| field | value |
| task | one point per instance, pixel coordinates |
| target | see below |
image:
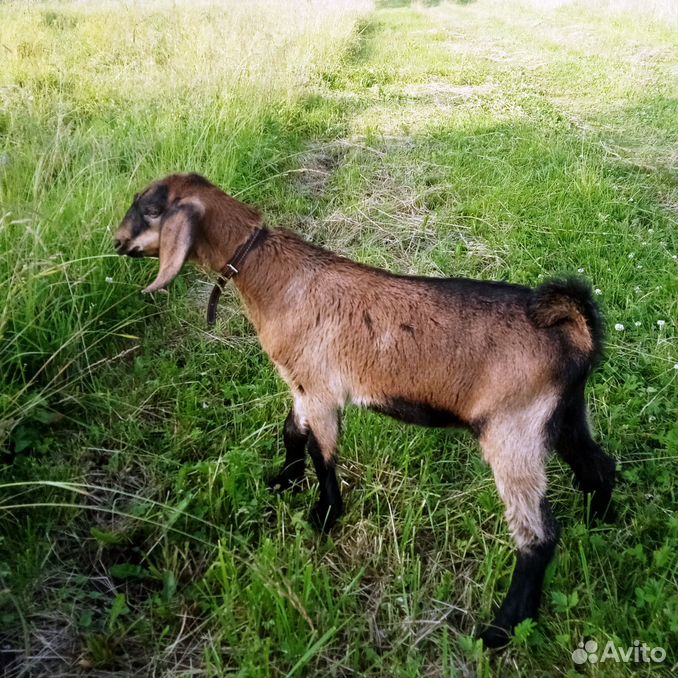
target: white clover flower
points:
(109, 280)
(675, 366)
(205, 406)
(661, 323)
(580, 270)
(598, 291)
(637, 323)
(631, 255)
(619, 327)
(650, 230)
(637, 289)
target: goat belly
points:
(421, 414)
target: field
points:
(499, 139)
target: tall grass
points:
(658, 10)
(95, 99)
(503, 139)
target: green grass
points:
(501, 140)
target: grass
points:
(502, 140)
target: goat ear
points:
(177, 234)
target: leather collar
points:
(232, 269)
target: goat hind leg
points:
(593, 469)
(522, 486)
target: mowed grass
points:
(501, 140)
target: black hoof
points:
(601, 509)
(323, 516)
(282, 483)
(495, 637)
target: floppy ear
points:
(177, 233)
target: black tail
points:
(569, 300)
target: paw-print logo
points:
(586, 652)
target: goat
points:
(506, 361)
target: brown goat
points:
(508, 362)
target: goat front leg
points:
(295, 437)
(322, 447)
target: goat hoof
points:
(282, 483)
(495, 637)
(607, 515)
(324, 516)
(602, 510)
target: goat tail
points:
(569, 302)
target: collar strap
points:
(232, 269)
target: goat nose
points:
(116, 243)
